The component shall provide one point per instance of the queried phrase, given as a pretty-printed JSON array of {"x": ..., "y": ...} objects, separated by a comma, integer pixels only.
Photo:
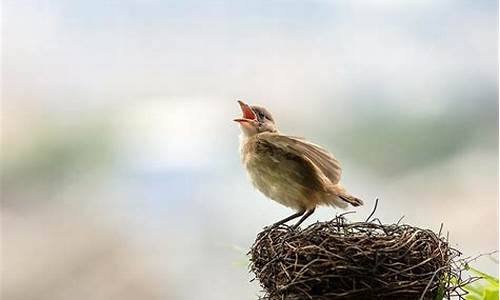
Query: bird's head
[{"x": 255, "y": 119}]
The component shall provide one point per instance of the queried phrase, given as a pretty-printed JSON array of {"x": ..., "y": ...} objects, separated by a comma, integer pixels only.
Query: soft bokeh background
[{"x": 120, "y": 169}]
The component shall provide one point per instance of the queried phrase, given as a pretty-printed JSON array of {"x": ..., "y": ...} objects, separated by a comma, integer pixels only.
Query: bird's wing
[
  {"x": 280, "y": 162},
  {"x": 320, "y": 157}
]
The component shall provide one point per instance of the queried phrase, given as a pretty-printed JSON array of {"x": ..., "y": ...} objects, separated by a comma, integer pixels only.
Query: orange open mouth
[{"x": 248, "y": 114}]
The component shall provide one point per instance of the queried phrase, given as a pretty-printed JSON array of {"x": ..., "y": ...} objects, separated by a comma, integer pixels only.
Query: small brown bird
[{"x": 289, "y": 170}]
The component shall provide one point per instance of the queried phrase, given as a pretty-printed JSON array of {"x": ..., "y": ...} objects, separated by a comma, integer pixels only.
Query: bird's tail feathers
[
  {"x": 345, "y": 197},
  {"x": 351, "y": 200}
]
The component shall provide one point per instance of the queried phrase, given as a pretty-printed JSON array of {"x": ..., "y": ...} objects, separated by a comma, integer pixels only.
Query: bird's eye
[{"x": 261, "y": 115}]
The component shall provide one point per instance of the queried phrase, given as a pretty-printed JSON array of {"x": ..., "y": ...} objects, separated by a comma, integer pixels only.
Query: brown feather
[{"x": 320, "y": 157}]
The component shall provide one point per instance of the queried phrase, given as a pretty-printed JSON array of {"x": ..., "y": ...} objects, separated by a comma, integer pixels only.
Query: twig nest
[{"x": 363, "y": 260}]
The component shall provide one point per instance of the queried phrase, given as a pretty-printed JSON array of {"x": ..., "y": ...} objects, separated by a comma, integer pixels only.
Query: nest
[{"x": 363, "y": 260}]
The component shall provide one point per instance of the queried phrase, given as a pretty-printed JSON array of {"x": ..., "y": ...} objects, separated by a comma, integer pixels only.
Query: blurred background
[{"x": 120, "y": 164}]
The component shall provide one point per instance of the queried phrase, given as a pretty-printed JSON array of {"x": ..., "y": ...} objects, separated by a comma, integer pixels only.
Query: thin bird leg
[
  {"x": 294, "y": 216},
  {"x": 305, "y": 216}
]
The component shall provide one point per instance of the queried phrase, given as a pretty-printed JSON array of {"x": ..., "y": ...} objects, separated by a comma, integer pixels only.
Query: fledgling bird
[{"x": 289, "y": 170}]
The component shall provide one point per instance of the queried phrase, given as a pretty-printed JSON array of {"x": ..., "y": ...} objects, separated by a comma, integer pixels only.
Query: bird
[{"x": 289, "y": 170}]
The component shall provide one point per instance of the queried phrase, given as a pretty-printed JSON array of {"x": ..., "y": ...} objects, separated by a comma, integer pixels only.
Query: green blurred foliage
[
  {"x": 393, "y": 144},
  {"x": 54, "y": 150},
  {"x": 52, "y": 156},
  {"x": 486, "y": 290}
]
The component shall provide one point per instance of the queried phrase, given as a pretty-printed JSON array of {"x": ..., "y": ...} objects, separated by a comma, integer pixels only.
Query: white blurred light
[{"x": 168, "y": 133}]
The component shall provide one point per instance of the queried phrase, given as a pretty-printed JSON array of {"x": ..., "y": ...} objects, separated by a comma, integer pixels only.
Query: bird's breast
[{"x": 275, "y": 175}]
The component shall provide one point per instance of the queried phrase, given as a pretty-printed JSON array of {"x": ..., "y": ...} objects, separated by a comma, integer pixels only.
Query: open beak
[{"x": 248, "y": 114}]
